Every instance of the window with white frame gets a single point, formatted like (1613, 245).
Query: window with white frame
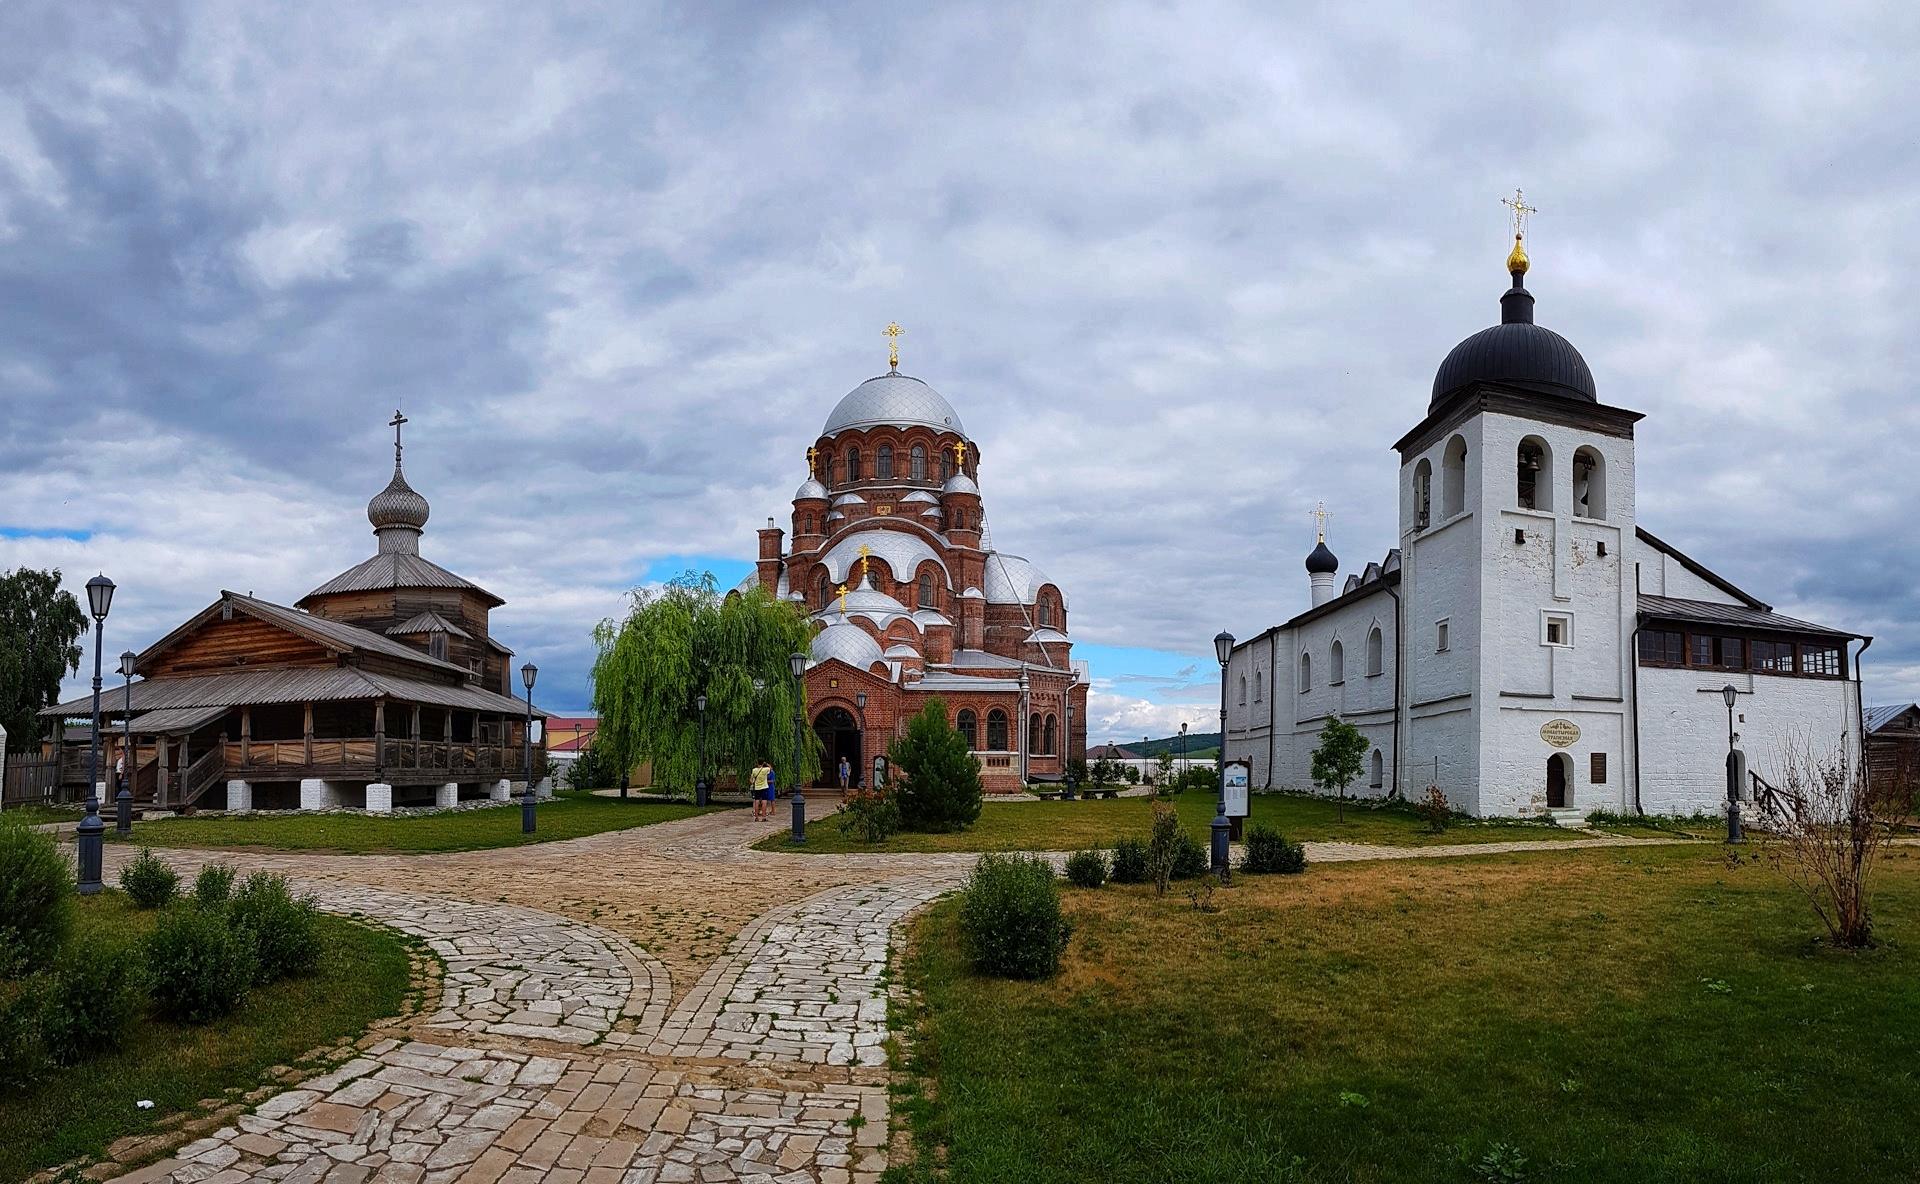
(1440, 638)
(1556, 629)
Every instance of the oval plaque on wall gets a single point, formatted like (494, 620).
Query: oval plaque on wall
(1561, 733)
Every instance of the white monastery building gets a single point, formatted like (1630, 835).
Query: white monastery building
(1528, 647)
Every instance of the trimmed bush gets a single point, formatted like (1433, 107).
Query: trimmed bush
(1087, 869)
(94, 998)
(213, 886)
(36, 898)
(199, 966)
(1190, 857)
(149, 881)
(1130, 861)
(1010, 916)
(286, 941)
(1269, 851)
(23, 1053)
(872, 814)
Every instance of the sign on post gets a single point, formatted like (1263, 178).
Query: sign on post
(1238, 779)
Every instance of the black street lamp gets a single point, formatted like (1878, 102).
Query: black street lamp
(1730, 693)
(797, 663)
(860, 749)
(702, 788)
(1183, 753)
(527, 675)
(1069, 779)
(123, 801)
(90, 837)
(1223, 650)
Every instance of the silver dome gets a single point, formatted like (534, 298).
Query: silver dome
(810, 488)
(1012, 580)
(849, 499)
(902, 553)
(892, 399)
(398, 515)
(960, 483)
(847, 642)
(878, 607)
(921, 495)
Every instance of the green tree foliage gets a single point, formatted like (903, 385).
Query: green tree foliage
(1336, 763)
(40, 630)
(938, 778)
(685, 640)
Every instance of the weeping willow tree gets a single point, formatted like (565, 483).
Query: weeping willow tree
(686, 640)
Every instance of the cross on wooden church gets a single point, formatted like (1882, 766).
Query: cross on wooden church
(395, 423)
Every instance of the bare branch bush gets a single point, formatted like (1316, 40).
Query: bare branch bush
(1825, 828)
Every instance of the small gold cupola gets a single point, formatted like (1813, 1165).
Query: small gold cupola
(1517, 258)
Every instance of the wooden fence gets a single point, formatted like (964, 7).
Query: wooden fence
(31, 780)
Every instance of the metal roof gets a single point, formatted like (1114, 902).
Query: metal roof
(847, 642)
(1880, 717)
(1707, 612)
(964, 682)
(892, 398)
(1013, 580)
(903, 553)
(396, 569)
(298, 684)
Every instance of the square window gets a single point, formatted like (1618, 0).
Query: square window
(1440, 632)
(1556, 629)
(1597, 768)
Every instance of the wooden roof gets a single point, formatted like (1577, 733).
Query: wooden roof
(299, 684)
(397, 570)
(427, 622)
(337, 637)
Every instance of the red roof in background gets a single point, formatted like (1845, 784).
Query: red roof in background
(570, 733)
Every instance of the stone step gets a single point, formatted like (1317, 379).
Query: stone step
(1569, 817)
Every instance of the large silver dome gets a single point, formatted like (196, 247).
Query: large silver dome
(847, 642)
(896, 400)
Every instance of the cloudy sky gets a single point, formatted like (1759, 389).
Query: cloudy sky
(1183, 270)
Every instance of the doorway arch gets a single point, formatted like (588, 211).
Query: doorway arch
(839, 736)
(1559, 780)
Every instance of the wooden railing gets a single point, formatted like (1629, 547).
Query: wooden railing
(201, 775)
(269, 760)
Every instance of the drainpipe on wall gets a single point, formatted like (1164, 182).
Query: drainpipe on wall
(1859, 703)
(1633, 656)
(1273, 697)
(1398, 667)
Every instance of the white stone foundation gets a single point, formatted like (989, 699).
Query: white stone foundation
(318, 795)
(501, 790)
(544, 789)
(447, 795)
(239, 796)
(379, 798)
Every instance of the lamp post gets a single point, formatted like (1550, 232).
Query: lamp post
(701, 788)
(527, 675)
(91, 835)
(860, 751)
(1144, 766)
(1183, 753)
(1026, 733)
(1730, 693)
(797, 663)
(1223, 650)
(123, 801)
(1067, 773)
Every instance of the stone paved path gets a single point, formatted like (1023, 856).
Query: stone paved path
(661, 1004)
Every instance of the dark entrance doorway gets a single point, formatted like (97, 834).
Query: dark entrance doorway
(1557, 780)
(839, 736)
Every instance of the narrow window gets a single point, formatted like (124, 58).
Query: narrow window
(437, 646)
(946, 465)
(923, 597)
(1440, 637)
(969, 725)
(883, 463)
(1046, 614)
(1243, 689)
(1259, 685)
(996, 730)
(1597, 768)
(1453, 478)
(1373, 652)
(1422, 495)
(1033, 732)
(853, 465)
(1535, 475)
(873, 579)
(822, 591)
(1337, 665)
(918, 460)
(1306, 673)
(1379, 770)
(1052, 746)
(1589, 483)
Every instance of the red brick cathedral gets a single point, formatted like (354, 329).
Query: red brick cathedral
(892, 556)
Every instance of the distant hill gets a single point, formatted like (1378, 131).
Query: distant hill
(1196, 744)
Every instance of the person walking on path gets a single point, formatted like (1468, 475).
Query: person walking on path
(846, 772)
(757, 789)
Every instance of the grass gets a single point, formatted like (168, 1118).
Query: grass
(566, 816)
(1610, 1015)
(41, 815)
(1066, 826)
(80, 1110)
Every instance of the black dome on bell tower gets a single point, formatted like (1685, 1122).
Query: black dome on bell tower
(1516, 352)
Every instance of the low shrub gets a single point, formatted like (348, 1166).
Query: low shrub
(1435, 809)
(286, 940)
(873, 815)
(1130, 861)
(1087, 869)
(1010, 917)
(1269, 852)
(198, 966)
(213, 886)
(36, 898)
(1163, 845)
(94, 996)
(23, 1052)
(149, 881)
(1190, 857)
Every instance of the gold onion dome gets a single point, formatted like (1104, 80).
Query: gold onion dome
(1517, 258)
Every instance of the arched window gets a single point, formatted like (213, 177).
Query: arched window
(1589, 483)
(883, 463)
(1337, 665)
(853, 465)
(1373, 651)
(1050, 741)
(1033, 732)
(1422, 494)
(1306, 672)
(919, 462)
(873, 578)
(923, 595)
(969, 725)
(1453, 478)
(1379, 770)
(946, 465)
(1243, 689)
(1046, 613)
(1259, 685)
(1533, 483)
(997, 731)
(822, 590)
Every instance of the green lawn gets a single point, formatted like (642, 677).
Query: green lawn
(566, 816)
(1065, 826)
(41, 815)
(1631, 1016)
(79, 1111)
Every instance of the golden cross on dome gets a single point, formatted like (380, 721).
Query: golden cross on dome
(843, 600)
(1520, 210)
(813, 455)
(395, 423)
(960, 454)
(863, 560)
(893, 332)
(1320, 517)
